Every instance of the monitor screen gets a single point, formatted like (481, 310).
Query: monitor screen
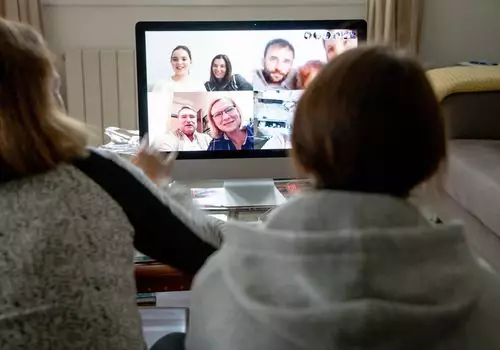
(229, 89)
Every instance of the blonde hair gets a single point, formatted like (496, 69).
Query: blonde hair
(214, 130)
(35, 134)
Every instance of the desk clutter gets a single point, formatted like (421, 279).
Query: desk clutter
(210, 198)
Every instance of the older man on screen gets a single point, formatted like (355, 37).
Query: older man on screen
(185, 138)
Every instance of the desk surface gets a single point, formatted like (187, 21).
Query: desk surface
(152, 276)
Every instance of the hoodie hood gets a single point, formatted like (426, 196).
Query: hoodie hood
(335, 270)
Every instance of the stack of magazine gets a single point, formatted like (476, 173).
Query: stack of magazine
(140, 258)
(146, 299)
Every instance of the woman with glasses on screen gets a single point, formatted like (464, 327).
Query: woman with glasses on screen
(180, 60)
(222, 77)
(230, 133)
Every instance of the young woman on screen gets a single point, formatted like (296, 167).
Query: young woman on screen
(181, 81)
(71, 216)
(231, 134)
(351, 264)
(222, 77)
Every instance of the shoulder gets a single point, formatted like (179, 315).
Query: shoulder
(114, 173)
(480, 329)
(217, 144)
(258, 78)
(196, 85)
(274, 141)
(258, 74)
(166, 142)
(204, 136)
(162, 85)
(239, 78)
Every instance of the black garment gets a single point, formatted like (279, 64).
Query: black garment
(236, 83)
(158, 233)
(172, 341)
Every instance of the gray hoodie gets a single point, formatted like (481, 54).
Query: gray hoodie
(332, 270)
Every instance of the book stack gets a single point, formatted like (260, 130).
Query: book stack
(146, 299)
(141, 258)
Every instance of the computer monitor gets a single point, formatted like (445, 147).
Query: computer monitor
(223, 94)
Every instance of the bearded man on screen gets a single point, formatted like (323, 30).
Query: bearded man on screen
(277, 72)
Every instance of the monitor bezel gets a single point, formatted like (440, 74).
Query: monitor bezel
(360, 25)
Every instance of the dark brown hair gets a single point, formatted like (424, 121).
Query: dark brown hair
(181, 47)
(35, 134)
(229, 72)
(369, 122)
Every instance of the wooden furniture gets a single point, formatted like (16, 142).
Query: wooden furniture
(156, 277)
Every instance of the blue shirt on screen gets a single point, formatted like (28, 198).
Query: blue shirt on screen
(223, 143)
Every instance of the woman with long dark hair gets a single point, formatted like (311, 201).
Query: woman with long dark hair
(222, 77)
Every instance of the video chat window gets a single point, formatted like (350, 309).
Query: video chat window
(232, 90)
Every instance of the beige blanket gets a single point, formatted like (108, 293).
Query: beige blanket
(452, 80)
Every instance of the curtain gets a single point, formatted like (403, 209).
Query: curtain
(27, 11)
(395, 23)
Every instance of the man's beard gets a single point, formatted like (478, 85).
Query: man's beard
(267, 77)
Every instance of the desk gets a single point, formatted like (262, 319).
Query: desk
(153, 277)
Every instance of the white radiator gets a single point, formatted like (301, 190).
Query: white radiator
(101, 89)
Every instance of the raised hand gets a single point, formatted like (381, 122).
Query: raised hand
(154, 164)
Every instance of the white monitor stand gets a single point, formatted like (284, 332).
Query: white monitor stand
(246, 182)
(251, 193)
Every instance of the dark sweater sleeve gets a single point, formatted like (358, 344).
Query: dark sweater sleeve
(242, 84)
(159, 233)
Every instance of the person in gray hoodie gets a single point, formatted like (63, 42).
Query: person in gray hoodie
(351, 264)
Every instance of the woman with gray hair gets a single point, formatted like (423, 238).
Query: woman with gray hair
(229, 132)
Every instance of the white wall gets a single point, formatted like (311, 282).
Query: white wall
(460, 30)
(244, 48)
(110, 23)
